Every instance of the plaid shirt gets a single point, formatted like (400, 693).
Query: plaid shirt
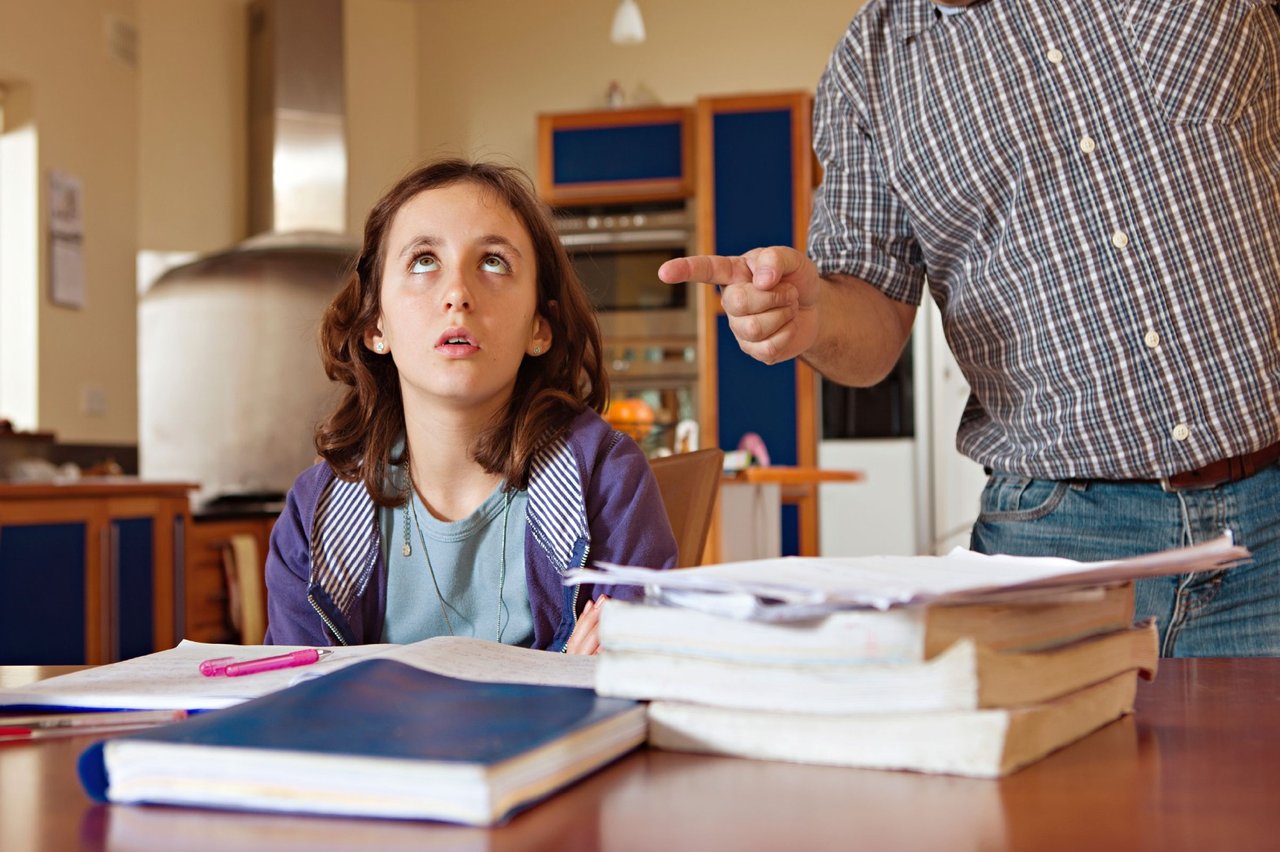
(1093, 187)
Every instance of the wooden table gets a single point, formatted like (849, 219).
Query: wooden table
(749, 523)
(1198, 767)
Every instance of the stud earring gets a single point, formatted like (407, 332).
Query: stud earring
(380, 346)
(537, 349)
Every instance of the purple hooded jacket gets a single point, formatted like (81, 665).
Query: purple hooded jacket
(592, 497)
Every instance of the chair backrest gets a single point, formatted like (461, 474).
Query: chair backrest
(246, 603)
(689, 483)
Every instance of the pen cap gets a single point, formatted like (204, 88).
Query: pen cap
(216, 667)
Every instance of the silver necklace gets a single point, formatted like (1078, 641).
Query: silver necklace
(407, 550)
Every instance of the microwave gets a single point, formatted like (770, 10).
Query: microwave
(616, 253)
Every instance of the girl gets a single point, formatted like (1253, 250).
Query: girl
(466, 467)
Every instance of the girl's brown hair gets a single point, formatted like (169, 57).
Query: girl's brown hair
(550, 390)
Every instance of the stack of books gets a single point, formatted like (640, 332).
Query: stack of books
(977, 682)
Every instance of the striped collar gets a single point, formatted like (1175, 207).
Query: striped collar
(346, 541)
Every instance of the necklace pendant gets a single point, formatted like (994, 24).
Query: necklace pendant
(406, 550)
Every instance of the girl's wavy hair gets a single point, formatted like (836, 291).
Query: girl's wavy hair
(357, 438)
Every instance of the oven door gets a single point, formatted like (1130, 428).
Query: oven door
(621, 279)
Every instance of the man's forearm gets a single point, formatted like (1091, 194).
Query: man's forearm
(861, 332)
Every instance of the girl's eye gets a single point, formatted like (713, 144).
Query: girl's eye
(496, 263)
(424, 263)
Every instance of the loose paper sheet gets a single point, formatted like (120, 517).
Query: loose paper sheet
(804, 587)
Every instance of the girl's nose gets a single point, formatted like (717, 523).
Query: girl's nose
(457, 296)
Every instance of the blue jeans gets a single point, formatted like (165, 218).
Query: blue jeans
(1231, 613)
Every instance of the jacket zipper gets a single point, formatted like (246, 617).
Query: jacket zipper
(573, 607)
(325, 618)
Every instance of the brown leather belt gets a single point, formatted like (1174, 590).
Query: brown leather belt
(1221, 472)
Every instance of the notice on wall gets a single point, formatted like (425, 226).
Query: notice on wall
(66, 240)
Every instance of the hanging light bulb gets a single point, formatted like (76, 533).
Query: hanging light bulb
(628, 26)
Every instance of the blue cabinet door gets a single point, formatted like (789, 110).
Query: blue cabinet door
(134, 603)
(42, 594)
(616, 156)
(754, 191)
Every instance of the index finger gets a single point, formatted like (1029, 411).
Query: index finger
(762, 267)
(707, 269)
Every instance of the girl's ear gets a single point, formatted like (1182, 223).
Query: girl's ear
(374, 340)
(540, 338)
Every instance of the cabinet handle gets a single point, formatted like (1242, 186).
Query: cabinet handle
(112, 619)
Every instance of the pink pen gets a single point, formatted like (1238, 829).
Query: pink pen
(231, 667)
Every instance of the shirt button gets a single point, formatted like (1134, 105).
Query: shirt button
(1054, 55)
(1119, 239)
(1181, 432)
(1087, 144)
(1151, 339)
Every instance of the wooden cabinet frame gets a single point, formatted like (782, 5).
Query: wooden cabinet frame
(613, 192)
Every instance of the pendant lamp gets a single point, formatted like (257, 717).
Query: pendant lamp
(628, 25)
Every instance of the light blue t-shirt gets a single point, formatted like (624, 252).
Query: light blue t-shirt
(466, 556)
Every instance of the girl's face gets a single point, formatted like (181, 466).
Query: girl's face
(459, 299)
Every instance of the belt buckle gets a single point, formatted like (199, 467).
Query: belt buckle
(1168, 485)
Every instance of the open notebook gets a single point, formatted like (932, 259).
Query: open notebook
(171, 679)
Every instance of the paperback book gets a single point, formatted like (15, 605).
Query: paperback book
(986, 743)
(967, 676)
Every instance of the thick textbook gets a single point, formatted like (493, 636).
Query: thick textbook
(376, 739)
(966, 676)
(979, 743)
(1024, 622)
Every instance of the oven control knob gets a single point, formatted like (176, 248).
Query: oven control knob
(639, 220)
(608, 221)
(624, 221)
(593, 222)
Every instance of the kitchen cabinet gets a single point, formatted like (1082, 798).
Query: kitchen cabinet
(91, 572)
(754, 187)
(615, 156)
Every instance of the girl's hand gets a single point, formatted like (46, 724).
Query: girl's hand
(586, 635)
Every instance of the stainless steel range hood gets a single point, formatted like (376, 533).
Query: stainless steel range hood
(297, 117)
(230, 381)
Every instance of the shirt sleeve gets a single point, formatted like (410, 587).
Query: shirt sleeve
(859, 226)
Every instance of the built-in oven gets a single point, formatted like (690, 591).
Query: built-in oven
(617, 252)
(650, 329)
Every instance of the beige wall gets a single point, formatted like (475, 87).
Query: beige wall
(192, 141)
(382, 99)
(194, 105)
(489, 66)
(161, 148)
(84, 110)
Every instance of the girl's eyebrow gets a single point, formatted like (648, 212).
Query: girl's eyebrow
(418, 242)
(499, 240)
(429, 241)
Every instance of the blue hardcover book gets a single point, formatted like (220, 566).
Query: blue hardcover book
(376, 739)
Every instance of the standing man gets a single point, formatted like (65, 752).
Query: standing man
(1092, 190)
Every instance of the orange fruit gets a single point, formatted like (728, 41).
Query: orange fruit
(631, 415)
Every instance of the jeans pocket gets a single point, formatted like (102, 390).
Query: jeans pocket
(1204, 61)
(1016, 498)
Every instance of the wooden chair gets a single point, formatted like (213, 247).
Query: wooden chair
(246, 592)
(689, 483)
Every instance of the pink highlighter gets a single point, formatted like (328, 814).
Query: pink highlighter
(231, 667)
